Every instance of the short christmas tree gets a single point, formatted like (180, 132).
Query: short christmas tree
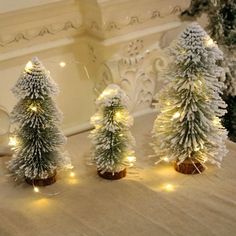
(112, 140)
(37, 153)
(188, 130)
(222, 28)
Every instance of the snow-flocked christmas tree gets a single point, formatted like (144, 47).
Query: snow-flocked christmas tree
(222, 28)
(188, 130)
(111, 138)
(37, 154)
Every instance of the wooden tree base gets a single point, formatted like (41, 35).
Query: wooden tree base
(42, 182)
(112, 176)
(187, 167)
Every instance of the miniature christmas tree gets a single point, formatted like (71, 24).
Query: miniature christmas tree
(36, 155)
(222, 28)
(111, 138)
(188, 130)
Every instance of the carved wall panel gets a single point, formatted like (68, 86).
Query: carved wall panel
(42, 23)
(136, 71)
(121, 17)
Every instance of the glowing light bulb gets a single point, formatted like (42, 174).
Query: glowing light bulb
(168, 103)
(62, 64)
(72, 174)
(107, 92)
(98, 126)
(36, 189)
(209, 42)
(166, 159)
(176, 115)
(216, 121)
(33, 108)
(29, 66)
(95, 118)
(131, 159)
(12, 141)
(118, 116)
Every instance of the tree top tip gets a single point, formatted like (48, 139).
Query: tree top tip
(35, 60)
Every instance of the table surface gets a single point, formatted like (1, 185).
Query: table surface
(152, 200)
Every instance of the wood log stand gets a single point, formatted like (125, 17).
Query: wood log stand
(42, 182)
(187, 167)
(112, 176)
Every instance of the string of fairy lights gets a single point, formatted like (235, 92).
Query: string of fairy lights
(208, 43)
(14, 142)
(119, 116)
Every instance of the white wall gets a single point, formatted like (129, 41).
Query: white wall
(76, 96)
(13, 5)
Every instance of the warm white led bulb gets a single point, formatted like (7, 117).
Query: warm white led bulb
(95, 118)
(33, 108)
(36, 189)
(176, 115)
(131, 160)
(209, 42)
(216, 121)
(118, 116)
(29, 66)
(165, 159)
(62, 64)
(12, 141)
(107, 92)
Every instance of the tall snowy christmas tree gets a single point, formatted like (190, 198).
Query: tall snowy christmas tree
(188, 130)
(222, 28)
(38, 139)
(112, 140)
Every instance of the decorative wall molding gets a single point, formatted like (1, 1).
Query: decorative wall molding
(139, 19)
(136, 71)
(105, 20)
(141, 33)
(30, 34)
(43, 23)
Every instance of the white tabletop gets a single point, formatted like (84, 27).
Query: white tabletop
(150, 201)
